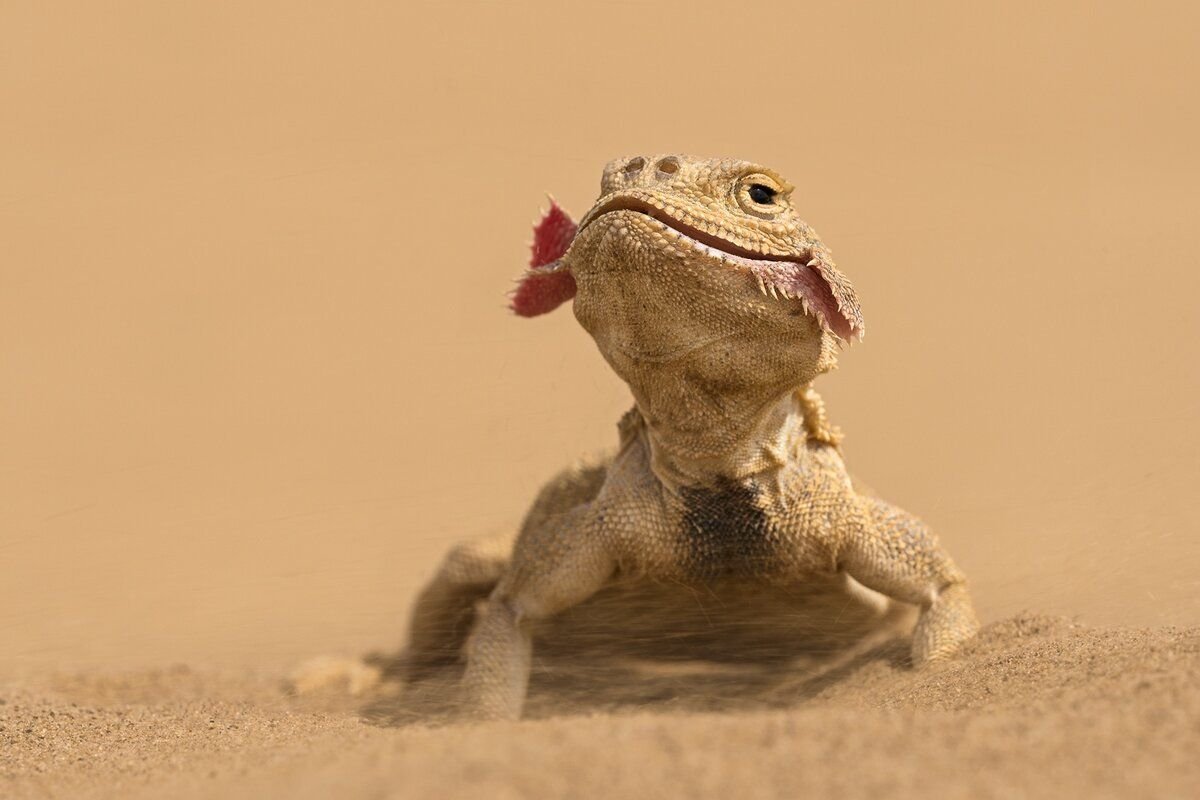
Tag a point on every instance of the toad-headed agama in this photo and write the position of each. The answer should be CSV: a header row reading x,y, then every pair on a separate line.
x,y
719,307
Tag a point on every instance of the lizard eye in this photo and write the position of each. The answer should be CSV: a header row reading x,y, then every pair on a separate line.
x,y
763,195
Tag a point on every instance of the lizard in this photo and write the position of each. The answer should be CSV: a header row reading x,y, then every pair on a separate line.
x,y
718,306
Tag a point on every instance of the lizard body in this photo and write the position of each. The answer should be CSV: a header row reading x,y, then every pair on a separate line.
x,y
718,306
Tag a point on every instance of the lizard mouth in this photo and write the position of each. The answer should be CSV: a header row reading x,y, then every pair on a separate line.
x,y
797,279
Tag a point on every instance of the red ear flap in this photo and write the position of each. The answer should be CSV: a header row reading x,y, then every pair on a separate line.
x,y
547,284
552,236
541,292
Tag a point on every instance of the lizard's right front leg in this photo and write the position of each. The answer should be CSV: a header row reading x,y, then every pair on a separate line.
x,y
892,552
552,569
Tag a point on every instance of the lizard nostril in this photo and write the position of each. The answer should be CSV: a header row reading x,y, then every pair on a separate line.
x,y
669,166
635,166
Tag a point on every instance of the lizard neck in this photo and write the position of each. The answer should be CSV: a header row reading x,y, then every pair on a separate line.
x,y
695,439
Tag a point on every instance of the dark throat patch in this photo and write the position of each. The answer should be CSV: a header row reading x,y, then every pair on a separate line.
x,y
725,533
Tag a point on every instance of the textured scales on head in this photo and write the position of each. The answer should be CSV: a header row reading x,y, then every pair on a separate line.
x,y
734,214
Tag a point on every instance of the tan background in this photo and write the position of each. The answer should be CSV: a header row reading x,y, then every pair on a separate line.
x,y
256,370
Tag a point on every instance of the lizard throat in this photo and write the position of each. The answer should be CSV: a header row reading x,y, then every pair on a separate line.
x,y
790,278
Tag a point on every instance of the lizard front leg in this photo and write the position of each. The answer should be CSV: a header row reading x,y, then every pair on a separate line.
x,y
441,617
553,568
440,621
893,552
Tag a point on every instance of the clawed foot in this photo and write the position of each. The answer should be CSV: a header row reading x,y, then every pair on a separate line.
x,y
944,627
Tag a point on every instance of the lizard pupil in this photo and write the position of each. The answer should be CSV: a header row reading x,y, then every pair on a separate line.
x,y
763,195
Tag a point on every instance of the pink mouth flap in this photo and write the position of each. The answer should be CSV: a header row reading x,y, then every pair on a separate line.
x,y
806,281
546,285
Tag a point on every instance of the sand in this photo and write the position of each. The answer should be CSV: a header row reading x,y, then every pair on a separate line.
x,y
1037,707
256,376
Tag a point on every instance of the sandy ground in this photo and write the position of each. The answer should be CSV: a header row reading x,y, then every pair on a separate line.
x,y
1037,707
256,375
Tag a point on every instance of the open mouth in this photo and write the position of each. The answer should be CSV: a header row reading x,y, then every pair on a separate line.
x,y
798,279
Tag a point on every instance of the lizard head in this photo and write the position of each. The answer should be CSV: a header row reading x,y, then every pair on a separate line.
x,y
697,262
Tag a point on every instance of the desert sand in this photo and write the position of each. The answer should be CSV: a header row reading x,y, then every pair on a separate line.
x,y
1038,707
256,375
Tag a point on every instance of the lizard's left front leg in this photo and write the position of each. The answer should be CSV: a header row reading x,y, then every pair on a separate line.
x,y
552,569
893,552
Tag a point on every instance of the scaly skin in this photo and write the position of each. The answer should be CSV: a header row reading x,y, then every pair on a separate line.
x,y
718,306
